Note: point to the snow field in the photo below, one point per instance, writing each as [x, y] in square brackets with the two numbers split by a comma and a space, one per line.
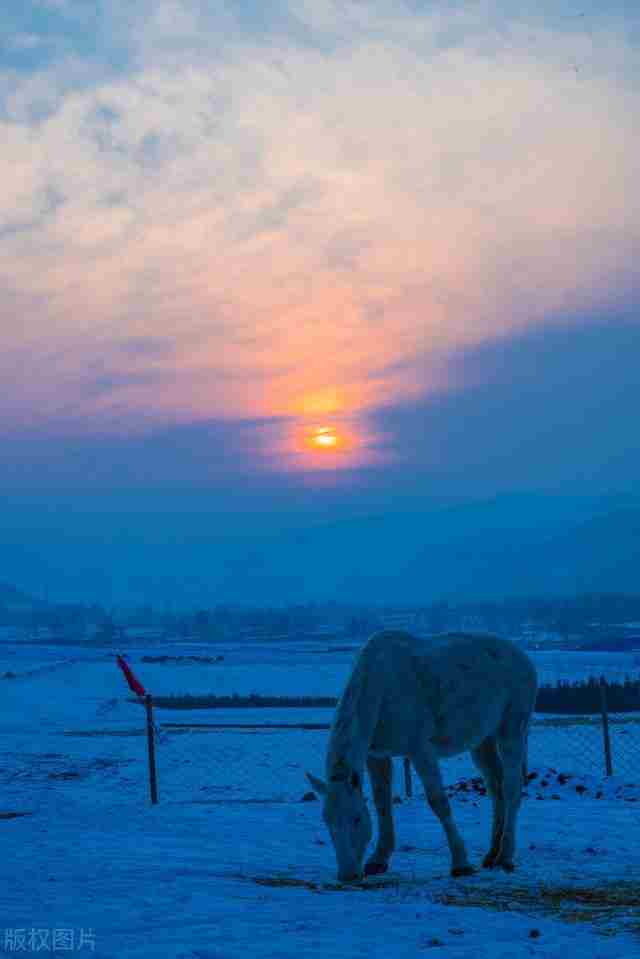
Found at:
[232, 863]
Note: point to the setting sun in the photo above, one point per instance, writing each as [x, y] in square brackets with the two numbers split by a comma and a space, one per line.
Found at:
[324, 437]
[346, 444]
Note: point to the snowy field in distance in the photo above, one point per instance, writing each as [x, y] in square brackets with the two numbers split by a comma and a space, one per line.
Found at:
[304, 668]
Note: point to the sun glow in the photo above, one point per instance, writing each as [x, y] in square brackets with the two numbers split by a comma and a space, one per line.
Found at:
[324, 438]
[347, 444]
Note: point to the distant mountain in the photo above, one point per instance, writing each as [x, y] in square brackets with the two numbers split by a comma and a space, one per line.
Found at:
[601, 555]
[468, 553]
[413, 552]
[15, 600]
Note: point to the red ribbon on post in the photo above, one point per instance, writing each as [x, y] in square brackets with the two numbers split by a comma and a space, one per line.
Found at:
[136, 687]
[134, 684]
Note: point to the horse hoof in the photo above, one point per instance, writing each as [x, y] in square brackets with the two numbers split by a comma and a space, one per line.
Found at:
[488, 862]
[375, 868]
[462, 871]
[507, 866]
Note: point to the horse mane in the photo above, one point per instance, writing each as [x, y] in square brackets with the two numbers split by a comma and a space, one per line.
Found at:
[354, 721]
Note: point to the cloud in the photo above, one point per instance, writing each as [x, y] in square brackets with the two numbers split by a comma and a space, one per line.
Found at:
[314, 213]
[24, 41]
[547, 409]
[146, 346]
[550, 409]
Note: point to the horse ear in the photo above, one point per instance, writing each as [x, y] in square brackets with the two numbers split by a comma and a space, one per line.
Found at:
[318, 784]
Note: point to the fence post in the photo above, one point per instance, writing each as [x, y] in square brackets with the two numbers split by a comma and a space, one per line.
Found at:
[408, 785]
[153, 779]
[605, 727]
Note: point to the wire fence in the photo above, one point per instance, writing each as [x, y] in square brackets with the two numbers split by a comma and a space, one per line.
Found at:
[579, 744]
[261, 754]
[258, 761]
[251, 762]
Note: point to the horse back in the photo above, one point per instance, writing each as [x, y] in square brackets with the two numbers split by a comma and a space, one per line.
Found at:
[453, 690]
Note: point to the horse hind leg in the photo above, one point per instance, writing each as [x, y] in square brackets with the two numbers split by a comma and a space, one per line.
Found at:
[426, 765]
[487, 760]
[381, 775]
[512, 743]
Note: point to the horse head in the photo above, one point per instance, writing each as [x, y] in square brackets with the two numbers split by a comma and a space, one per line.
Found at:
[346, 814]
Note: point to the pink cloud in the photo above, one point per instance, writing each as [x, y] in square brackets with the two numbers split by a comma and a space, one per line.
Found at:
[313, 231]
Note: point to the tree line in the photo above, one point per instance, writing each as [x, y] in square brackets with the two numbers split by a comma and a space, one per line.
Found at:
[584, 696]
[588, 616]
[581, 697]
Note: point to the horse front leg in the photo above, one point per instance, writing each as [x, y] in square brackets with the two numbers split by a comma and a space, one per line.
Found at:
[381, 774]
[426, 765]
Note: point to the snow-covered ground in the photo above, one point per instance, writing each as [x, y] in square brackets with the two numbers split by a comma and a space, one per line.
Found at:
[233, 863]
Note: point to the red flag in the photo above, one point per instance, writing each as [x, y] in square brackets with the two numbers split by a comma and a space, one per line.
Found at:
[134, 684]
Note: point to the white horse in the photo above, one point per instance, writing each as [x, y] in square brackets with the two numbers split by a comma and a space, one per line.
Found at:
[426, 699]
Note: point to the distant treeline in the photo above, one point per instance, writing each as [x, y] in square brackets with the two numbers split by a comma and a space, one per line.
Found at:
[583, 696]
[589, 615]
[579, 697]
[181, 660]
[253, 701]
[614, 644]
[586, 614]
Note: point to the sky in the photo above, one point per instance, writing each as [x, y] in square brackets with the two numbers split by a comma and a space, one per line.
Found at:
[269, 265]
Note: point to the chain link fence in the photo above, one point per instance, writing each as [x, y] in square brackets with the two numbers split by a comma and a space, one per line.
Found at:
[257, 761]
[625, 746]
[578, 744]
[251, 762]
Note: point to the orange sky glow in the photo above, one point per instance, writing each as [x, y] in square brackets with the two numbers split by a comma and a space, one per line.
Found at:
[276, 232]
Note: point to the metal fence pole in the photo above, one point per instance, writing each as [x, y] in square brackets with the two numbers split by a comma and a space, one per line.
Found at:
[605, 728]
[153, 776]
[408, 785]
